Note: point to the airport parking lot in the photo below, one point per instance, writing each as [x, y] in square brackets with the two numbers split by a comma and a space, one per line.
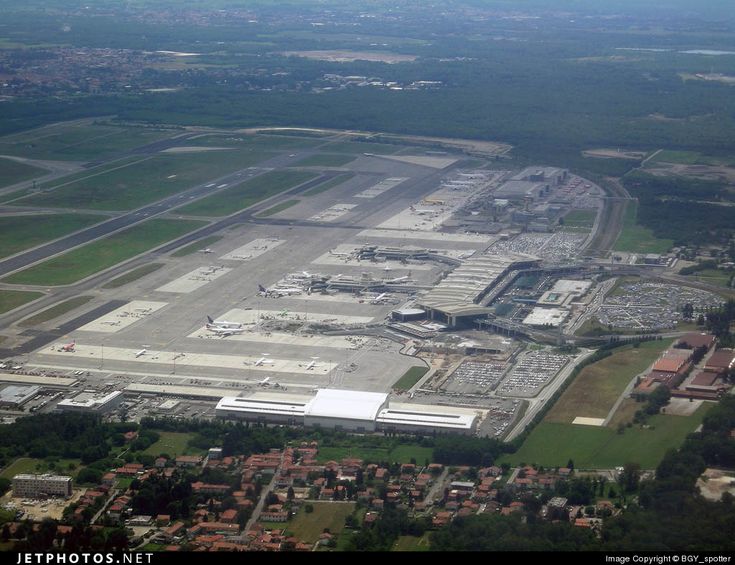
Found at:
[531, 373]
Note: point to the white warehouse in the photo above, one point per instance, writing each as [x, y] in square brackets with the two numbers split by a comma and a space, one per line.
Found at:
[348, 410]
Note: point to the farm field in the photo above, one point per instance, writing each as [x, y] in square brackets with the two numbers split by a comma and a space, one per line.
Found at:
[18, 233]
[553, 444]
[595, 390]
[99, 255]
[326, 515]
[238, 197]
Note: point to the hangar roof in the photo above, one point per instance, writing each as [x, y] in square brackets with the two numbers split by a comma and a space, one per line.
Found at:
[348, 404]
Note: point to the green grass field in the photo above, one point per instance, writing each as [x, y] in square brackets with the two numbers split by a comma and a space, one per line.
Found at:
[326, 515]
[55, 311]
[278, 208]
[75, 142]
[18, 233]
[595, 390]
[410, 378]
[553, 444]
[326, 160]
[265, 142]
[11, 299]
[98, 255]
[133, 275]
[142, 182]
[401, 454]
[198, 245]
[412, 543]
[13, 171]
[238, 197]
[336, 181]
[173, 444]
[580, 219]
[716, 277]
[31, 465]
[637, 239]
[687, 158]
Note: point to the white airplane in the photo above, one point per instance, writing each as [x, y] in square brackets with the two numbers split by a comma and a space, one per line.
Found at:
[141, 353]
[311, 365]
[264, 381]
[285, 291]
[207, 250]
[222, 324]
[69, 347]
[223, 332]
[398, 280]
[263, 361]
[379, 299]
[339, 254]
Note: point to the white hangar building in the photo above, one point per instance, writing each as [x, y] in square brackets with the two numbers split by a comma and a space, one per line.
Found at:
[348, 410]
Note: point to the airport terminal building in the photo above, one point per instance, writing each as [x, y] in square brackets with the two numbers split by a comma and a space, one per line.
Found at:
[354, 411]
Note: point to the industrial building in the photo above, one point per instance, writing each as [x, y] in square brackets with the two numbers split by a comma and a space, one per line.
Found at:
[348, 410]
[15, 396]
[41, 486]
[92, 402]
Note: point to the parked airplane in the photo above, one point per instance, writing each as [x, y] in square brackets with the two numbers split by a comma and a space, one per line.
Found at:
[279, 291]
[141, 353]
[69, 347]
[380, 299]
[207, 250]
[222, 324]
[225, 332]
[339, 254]
[311, 365]
[398, 280]
[263, 361]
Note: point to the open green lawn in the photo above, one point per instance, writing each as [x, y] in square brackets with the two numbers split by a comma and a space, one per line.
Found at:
[326, 160]
[133, 275]
[18, 233]
[553, 444]
[13, 171]
[173, 444]
[279, 208]
[412, 543]
[75, 142]
[410, 378]
[401, 454]
[252, 191]
[142, 182]
[198, 245]
[336, 181]
[595, 390]
[637, 239]
[31, 465]
[717, 277]
[55, 311]
[580, 219]
[331, 515]
[98, 255]
[687, 158]
[11, 299]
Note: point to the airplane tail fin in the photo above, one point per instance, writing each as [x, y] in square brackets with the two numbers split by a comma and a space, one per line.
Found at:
[261, 288]
[210, 320]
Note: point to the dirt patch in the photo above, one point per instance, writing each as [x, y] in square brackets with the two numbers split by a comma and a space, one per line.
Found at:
[614, 154]
[682, 407]
[719, 173]
[715, 482]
